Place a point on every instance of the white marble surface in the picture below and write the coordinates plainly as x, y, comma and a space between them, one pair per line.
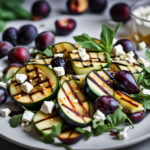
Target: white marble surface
59, 9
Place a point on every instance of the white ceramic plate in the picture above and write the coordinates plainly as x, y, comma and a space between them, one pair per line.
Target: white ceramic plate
105, 141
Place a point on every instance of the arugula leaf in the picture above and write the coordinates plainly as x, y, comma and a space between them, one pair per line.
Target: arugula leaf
28, 109
64, 145
5, 79
86, 133
14, 121
49, 138
48, 51
147, 81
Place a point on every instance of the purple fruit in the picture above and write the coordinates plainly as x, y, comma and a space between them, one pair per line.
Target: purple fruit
137, 117
120, 12
106, 104
3, 95
40, 9
77, 6
27, 34
125, 81
97, 6
5, 47
59, 61
11, 35
44, 39
19, 55
65, 26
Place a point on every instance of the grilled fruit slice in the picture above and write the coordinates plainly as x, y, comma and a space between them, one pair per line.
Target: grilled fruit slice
44, 122
64, 48
79, 79
129, 105
74, 113
97, 61
69, 136
45, 86
98, 83
135, 68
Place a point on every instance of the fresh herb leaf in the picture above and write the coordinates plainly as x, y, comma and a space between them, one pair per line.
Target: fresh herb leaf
56, 130
147, 81
85, 133
14, 121
147, 53
5, 79
2, 25
64, 145
28, 109
107, 57
117, 27
140, 96
48, 51
147, 69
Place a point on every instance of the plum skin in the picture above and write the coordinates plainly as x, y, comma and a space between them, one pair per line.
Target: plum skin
40, 9
27, 34
11, 35
65, 29
125, 81
3, 95
19, 55
136, 117
97, 6
44, 39
5, 47
106, 104
120, 12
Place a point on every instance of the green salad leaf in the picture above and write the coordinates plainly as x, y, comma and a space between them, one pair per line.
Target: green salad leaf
85, 133
48, 52
56, 130
14, 121
5, 79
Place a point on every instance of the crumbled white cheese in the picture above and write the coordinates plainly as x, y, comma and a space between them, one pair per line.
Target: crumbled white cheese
20, 78
50, 66
85, 57
99, 115
47, 107
143, 61
123, 134
8, 83
82, 53
1, 76
4, 85
37, 57
31, 50
27, 87
75, 101
28, 129
142, 45
145, 91
130, 55
22, 124
81, 50
58, 55
118, 50
114, 41
59, 71
88, 128
74, 51
27, 124
5, 112
27, 116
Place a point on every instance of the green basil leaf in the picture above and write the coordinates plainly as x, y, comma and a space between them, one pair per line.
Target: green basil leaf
63, 145
85, 133
2, 25
14, 121
140, 96
107, 57
145, 103
28, 109
147, 81
57, 129
117, 27
147, 53
48, 52
117, 118
5, 79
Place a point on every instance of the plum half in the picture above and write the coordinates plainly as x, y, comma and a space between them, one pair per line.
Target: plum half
69, 136
65, 26
77, 6
3, 95
106, 104
44, 39
125, 81
120, 12
19, 55
5, 47
40, 9
11, 35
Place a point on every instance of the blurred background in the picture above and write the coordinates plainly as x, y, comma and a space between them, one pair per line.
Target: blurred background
65, 18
